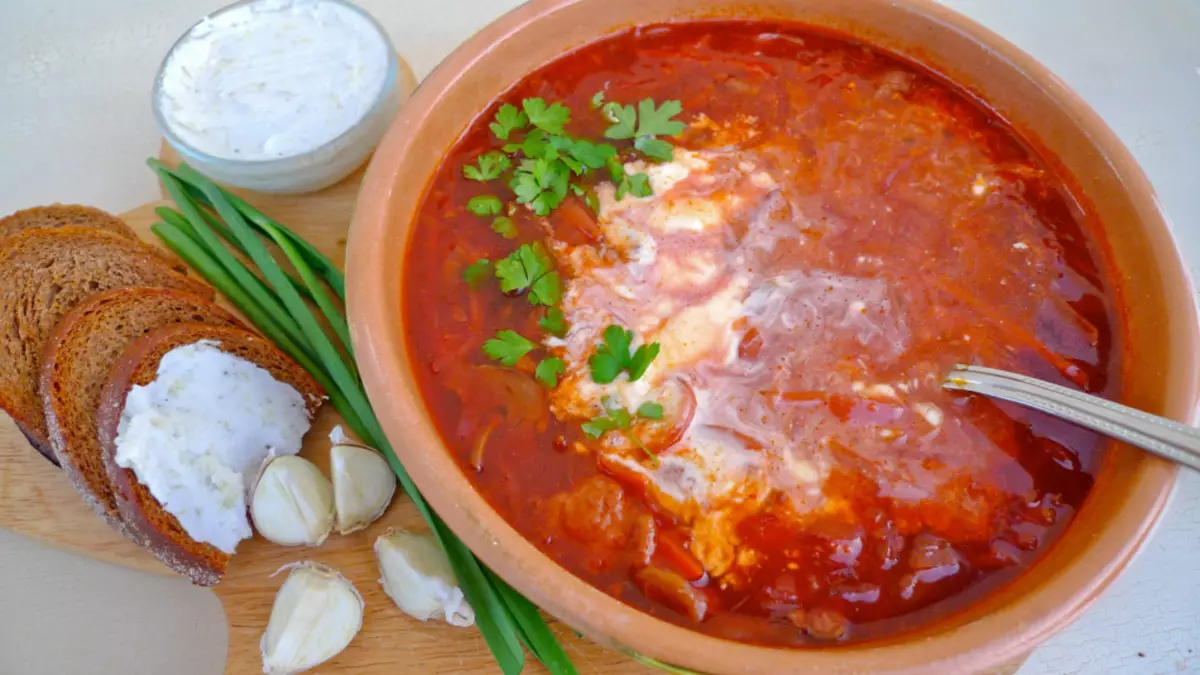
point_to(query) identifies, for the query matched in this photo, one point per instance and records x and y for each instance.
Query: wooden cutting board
(35, 500)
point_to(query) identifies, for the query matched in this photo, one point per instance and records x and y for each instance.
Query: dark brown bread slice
(138, 365)
(76, 362)
(63, 215)
(45, 274)
(74, 215)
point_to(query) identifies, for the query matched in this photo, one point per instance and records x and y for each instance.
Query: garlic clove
(292, 502)
(317, 612)
(418, 578)
(363, 483)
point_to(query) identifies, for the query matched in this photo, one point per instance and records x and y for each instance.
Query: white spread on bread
(273, 78)
(197, 435)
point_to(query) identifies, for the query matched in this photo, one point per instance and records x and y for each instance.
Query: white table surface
(75, 125)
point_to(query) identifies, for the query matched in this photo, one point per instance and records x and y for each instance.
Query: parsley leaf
(616, 170)
(598, 426)
(624, 119)
(491, 165)
(547, 290)
(619, 419)
(536, 145)
(548, 371)
(637, 185)
(508, 119)
(475, 272)
(650, 410)
(591, 155)
(642, 359)
(605, 367)
(554, 322)
(485, 205)
(550, 119)
(529, 269)
(655, 148)
(540, 183)
(597, 99)
(644, 124)
(592, 201)
(507, 347)
(612, 357)
(504, 227)
(657, 121)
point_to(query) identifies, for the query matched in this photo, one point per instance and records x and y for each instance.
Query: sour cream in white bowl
(282, 96)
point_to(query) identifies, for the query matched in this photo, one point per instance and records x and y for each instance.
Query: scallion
(276, 304)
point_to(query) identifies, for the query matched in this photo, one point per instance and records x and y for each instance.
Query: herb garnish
(549, 370)
(485, 205)
(549, 118)
(541, 183)
(613, 356)
(645, 125)
(617, 418)
(550, 157)
(475, 272)
(490, 166)
(508, 347)
(508, 119)
(554, 322)
(504, 226)
(529, 269)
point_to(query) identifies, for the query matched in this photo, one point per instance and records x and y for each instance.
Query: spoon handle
(1158, 435)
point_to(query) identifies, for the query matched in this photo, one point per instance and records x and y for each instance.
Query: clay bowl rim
(374, 311)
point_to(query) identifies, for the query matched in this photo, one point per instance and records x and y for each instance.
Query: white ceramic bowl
(308, 171)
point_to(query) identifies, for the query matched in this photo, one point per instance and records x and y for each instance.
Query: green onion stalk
(280, 305)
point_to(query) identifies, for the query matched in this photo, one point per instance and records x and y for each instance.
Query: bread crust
(138, 365)
(75, 215)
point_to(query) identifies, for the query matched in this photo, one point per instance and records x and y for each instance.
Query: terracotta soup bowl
(1160, 375)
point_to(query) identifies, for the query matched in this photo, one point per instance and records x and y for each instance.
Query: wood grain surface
(37, 501)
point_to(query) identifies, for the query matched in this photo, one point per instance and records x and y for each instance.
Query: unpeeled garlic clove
(292, 502)
(418, 578)
(317, 612)
(363, 483)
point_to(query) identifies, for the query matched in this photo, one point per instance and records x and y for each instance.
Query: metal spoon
(1158, 435)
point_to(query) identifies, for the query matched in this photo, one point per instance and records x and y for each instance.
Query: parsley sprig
(547, 162)
(644, 125)
(554, 322)
(476, 271)
(508, 120)
(614, 356)
(528, 269)
(489, 166)
(509, 347)
(617, 418)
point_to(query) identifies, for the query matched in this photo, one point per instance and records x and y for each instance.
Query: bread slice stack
(47, 273)
(90, 311)
(74, 215)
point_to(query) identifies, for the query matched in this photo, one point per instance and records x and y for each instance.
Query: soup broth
(776, 296)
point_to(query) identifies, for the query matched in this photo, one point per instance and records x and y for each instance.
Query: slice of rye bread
(62, 215)
(47, 273)
(76, 362)
(138, 365)
(74, 215)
